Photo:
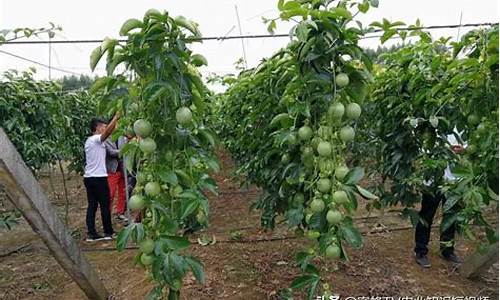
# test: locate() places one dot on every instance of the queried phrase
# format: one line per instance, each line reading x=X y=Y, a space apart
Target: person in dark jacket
x=116 y=178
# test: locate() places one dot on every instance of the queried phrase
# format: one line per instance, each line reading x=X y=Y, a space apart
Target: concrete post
x=27 y=195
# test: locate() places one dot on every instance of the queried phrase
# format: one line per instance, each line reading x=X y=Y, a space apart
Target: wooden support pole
x=479 y=262
x=27 y=195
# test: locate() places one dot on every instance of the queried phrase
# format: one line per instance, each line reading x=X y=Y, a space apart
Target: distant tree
x=76 y=82
x=374 y=54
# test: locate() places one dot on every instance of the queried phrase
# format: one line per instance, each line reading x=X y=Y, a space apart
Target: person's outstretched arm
x=111 y=127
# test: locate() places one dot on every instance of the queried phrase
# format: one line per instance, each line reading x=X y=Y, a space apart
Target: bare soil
x=255 y=266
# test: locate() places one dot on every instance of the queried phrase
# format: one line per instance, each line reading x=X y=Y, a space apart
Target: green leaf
x=95 y=56
x=207 y=136
x=492 y=194
x=178 y=262
x=176 y=242
x=183 y=176
x=108 y=43
x=302 y=31
x=198 y=60
x=303 y=281
x=354 y=175
x=154 y=14
x=492 y=235
x=123 y=237
x=377 y=24
x=448 y=221
x=99 y=84
x=302 y=259
x=169 y=176
x=317 y=221
x=462 y=171
x=341 y=12
x=291 y=5
x=213 y=164
x=365 y=193
x=280 y=4
x=350 y=234
x=450 y=203
x=156 y=89
x=154 y=294
x=279 y=118
x=357 y=88
x=170 y=226
x=8 y=220
x=389 y=33
x=188 y=207
x=138 y=232
x=129 y=161
x=413 y=214
x=312 y=290
x=271 y=27
x=197 y=268
x=294 y=216
x=173 y=294
x=185 y=23
x=129 y=25
x=363 y=7
x=434 y=121
x=113 y=63
x=189 y=194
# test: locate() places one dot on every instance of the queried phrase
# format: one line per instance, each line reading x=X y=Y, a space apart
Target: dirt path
x=238 y=269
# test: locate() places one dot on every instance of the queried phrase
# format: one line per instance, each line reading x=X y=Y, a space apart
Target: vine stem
x=66 y=209
x=173 y=294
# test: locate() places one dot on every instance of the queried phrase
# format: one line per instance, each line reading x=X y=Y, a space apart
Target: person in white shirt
x=430 y=203
x=95 y=178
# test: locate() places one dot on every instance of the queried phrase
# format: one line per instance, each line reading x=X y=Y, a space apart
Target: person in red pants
x=116 y=178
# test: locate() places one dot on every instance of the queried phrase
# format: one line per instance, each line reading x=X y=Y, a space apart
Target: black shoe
x=109 y=237
x=423 y=261
x=452 y=258
x=94 y=238
x=122 y=218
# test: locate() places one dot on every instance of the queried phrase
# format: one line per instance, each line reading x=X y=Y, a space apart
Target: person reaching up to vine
x=95 y=178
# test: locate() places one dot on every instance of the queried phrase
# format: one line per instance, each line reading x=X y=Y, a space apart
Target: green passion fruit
x=317 y=205
x=147 y=246
x=347 y=134
x=342 y=80
x=336 y=111
x=341 y=172
x=324 y=185
x=147 y=145
x=353 y=111
x=136 y=202
x=152 y=189
x=183 y=115
x=142 y=128
x=333 y=217
x=324 y=148
x=305 y=133
x=333 y=251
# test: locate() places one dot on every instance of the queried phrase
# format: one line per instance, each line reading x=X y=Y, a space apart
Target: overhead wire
x=39 y=63
x=255 y=36
x=220 y=38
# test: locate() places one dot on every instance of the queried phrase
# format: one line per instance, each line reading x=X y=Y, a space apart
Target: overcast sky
x=93 y=19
